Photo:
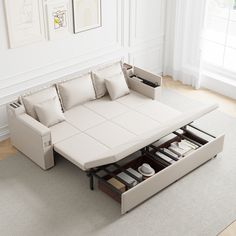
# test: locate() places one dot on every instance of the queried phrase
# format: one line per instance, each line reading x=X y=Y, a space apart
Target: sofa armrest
x=143 y=82
x=145 y=89
x=31 y=138
x=31 y=123
x=148 y=76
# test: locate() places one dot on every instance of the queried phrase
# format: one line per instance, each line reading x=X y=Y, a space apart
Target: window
x=219 y=49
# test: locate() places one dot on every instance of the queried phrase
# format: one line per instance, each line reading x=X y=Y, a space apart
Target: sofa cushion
x=82 y=118
x=106 y=107
x=133 y=99
x=49 y=112
x=76 y=91
x=62 y=131
x=84 y=151
x=99 y=77
x=110 y=134
x=117 y=86
x=136 y=123
x=29 y=101
x=158 y=111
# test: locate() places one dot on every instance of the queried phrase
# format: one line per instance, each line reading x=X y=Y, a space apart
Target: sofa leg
x=143 y=151
x=91 y=180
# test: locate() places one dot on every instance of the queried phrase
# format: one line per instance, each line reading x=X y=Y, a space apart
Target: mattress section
x=84 y=151
x=82 y=118
x=62 y=131
x=106 y=135
x=106 y=108
x=136 y=123
x=157 y=111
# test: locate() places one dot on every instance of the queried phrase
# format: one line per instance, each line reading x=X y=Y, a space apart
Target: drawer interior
x=152 y=155
x=145 y=81
x=112 y=171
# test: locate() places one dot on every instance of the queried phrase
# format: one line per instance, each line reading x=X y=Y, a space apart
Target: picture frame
x=58 y=19
x=25 y=22
x=87 y=15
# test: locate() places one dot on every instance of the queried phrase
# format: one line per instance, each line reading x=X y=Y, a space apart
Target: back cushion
x=99 y=77
x=30 y=101
x=76 y=91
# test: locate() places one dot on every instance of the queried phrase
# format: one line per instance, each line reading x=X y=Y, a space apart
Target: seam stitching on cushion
x=97 y=140
x=108 y=119
x=152 y=117
x=142 y=115
x=67 y=138
x=93 y=112
x=115 y=125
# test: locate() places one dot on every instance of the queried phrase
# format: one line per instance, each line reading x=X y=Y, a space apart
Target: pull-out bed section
x=140 y=123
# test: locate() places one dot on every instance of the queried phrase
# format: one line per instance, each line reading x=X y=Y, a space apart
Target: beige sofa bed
x=100 y=118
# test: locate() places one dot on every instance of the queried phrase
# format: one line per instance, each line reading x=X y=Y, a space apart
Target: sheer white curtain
x=184 y=25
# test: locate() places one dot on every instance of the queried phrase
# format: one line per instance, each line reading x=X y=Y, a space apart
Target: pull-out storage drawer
x=204 y=147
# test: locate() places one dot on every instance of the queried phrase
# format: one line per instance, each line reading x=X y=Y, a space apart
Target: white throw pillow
x=100 y=76
x=117 y=86
x=31 y=100
x=76 y=91
x=49 y=113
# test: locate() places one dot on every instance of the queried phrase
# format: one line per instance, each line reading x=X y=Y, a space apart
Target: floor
x=6 y=149
x=226 y=105
x=229 y=231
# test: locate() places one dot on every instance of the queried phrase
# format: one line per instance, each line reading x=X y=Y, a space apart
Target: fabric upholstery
x=117 y=86
x=99 y=77
x=133 y=100
x=62 y=131
x=84 y=151
x=110 y=134
x=49 y=112
x=136 y=123
x=82 y=118
x=157 y=111
x=106 y=108
x=123 y=133
x=77 y=91
x=31 y=100
x=32 y=138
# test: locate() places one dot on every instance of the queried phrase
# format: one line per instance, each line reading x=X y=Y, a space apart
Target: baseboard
x=4 y=133
x=221 y=85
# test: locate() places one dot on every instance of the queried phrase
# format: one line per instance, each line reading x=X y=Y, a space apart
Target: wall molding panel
x=127 y=33
x=146 y=38
x=146 y=21
x=148 y=58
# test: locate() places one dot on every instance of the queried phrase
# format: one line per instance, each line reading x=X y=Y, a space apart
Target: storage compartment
x=112 y=172
x=168 y=167
x=143 y=82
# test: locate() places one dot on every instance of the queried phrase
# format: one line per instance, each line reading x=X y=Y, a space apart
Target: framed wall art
x=58 y=20
x=25 y=22
x=86 y=14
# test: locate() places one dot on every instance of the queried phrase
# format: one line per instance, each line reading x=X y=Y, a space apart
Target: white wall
x=132 y=30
